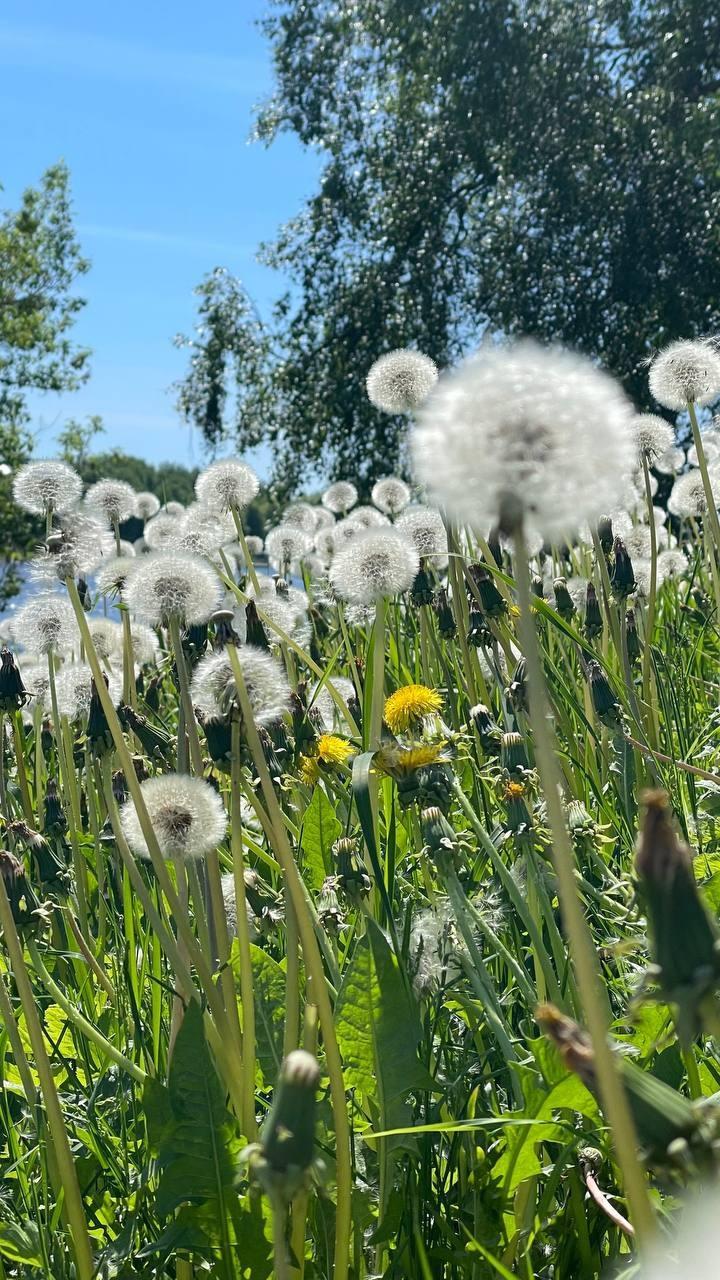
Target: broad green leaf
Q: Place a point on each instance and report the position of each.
(320, 830)
(269, 992)
(21, 1243)
(521, 1158)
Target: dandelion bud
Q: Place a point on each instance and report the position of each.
(255, 633)
(486, 727)
(439, 839)
(187, 816)
(491, 601)
(685, 371)
(593, 616)
(351, 875)
(478, 630)
(157, 743)
(22, 897)
(634, 647)
(564, 602)
(54, 820)
(13, 693)
(288, 1137)
(98, 730)
(224, 632)
(517, 690)
(622, 577)
(607, 707)
(513, 754)
(605, 534)
(330, 913)
(114, 499)
(400, 381)
(445, 617)
(227, 484)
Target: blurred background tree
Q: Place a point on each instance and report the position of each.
(546, 167)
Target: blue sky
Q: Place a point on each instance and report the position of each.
(151, 106)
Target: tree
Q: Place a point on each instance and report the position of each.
(40, 261)
(538, 166)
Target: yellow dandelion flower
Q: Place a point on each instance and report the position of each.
(331, 750)
(309, 770)
(408, 706)
(513, 790)
(400, 761)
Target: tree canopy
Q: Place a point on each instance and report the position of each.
(539, 166)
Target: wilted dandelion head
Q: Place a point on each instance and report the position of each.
(425, 528)
(147, 505)
(687, 496)
(300, 516)
(45, 486)
(685, 371)
(107, 637)
(225, 484)
(525, 430)
(46, 624)
(390, 494)
(187, 816)
(162, 531)
(340, 497)
(379, 562)
(654, 435)
(286, 544)
(214, 692)
(400, 381)
(168, 586)
(670, 461)
(114, 573)
(114, 499)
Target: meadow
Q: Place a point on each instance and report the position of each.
(360, 917)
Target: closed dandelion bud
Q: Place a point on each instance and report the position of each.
(606, 705)
(304, 731)
(13, 693)
(421, 590)
(272, 760)
(487, 729)
(593, 616)
(54, 820)
(478, 629)
(194, 642)
(622, 578)
(287, 1141)
(351, 876)
(634, 647)
(580, 823)
(330, 913)
(538, 586)
(21, 896)
(513, 755)
(156, 741)
(605, 534)
(444, 613)
(98, 730)
(563, 600)
(491, 601)
(684, 939)
(517, 691)
(255, 630)
(83, 591)
(439, 839)
(218, 736)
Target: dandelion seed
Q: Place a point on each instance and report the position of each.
(390, 495)
(227, 484)
(340, 497)
(44, 486)
(685, 371)
(515, 430)
(173, 586)
(187, 816)
(146, 505)
(378, 563)
(114, 498)
(46, 624)
(214, 692)
(407, 708)
(400, 381)
(654, 436)
(425, 528)
(434, 949)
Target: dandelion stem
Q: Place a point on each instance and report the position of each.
(247, 997)
(249, 562)
(710, 523)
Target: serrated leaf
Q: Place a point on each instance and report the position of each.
(320, 830)
(269, 992)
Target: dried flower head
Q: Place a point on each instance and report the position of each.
(187, 816)
(147, 505)
(685, 371)
(226, 484)
(115, 499)
(214, 692)
(425, 528)
(400, 381)
(654, 435)
(168, 586)
(340, 497)
(378, 563)
(46, 624)
(390, 494)
(44, 486)
(515, 432)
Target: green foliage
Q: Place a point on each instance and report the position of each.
(548, 167)
(21, 532)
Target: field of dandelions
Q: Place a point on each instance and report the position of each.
(360, 888)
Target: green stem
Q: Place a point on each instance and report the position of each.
(249, 562)
(711, 516)
(247, 997)
(184, 683)
(374, 730)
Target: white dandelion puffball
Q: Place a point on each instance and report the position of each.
(74, 549)
(378, 563)
(173, 508)
(146, 646)
(36, 679)
(203, 532)
(168, 586)
(711, 449)
(400, 381)
(670, 461)
(113, 573)
(685, 371)
(225, 484)
(672, 564)
(367, 518)
(214, 693)
(529, 426)
(687, 496)
(147, 505)
(300, 516)
(323, 702)
(115, 499)
(45, 486)
(286, 544)
(324, 519)
(340, 497)
(187, 816)
(255, 545)
(46, 624)
(654, 436)
(73, 686)
(425, 528)
(107, 638)
(227, 883)
(162, 531)
(325, 544)
(390, 494)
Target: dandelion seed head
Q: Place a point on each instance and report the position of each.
(425, 528)
(214, 692)
(324, 519)
(46, 624)
(161, 532)
(187, 816)
(390, 495)
(286, 544)
(202, 532)
(168, 586)
(227, 883)
(114, 499)
(434, 949)
(322, 701)
(368, 518)
(300, 516)
(46, 485)
(340, 497)
(79, 543)
(107, 637)
(36, 680)
(113, 573)
(670, 462)
(654, 435)
(711, 449)
(146, 646)
(73, 686)
(638, 542)
(225, 484)
(400, 381)
(685, 371)
(672, 564)
(525, 424)
(147, 505)
(378, 563)
(687, 496)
